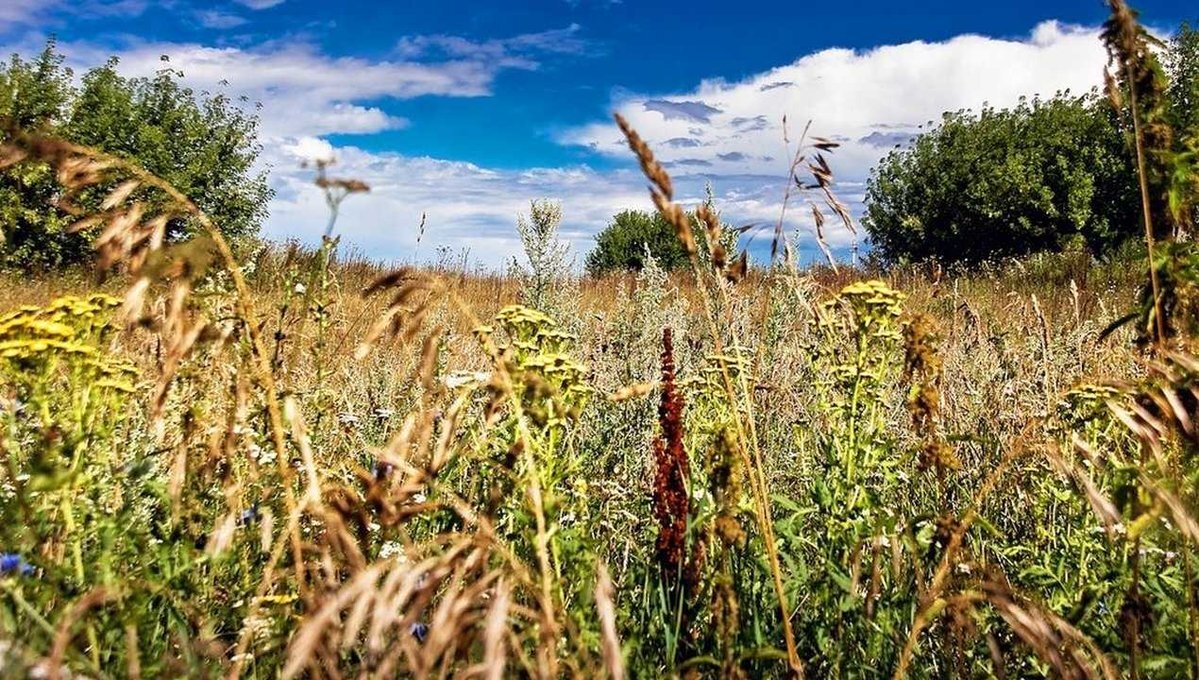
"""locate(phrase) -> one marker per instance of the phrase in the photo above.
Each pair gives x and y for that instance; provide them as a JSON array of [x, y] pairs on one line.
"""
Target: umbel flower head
[[876, 307], [68, 330], [553, 383]]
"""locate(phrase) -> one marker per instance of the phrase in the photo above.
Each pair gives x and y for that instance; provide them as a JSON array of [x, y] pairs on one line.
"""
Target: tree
[[205, 145], [34, 95], [622, 245], [1041, 176], [1182, 97], [1182, 66]]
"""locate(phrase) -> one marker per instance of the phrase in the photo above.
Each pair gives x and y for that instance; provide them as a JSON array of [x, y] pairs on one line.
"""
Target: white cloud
[[515, 52], [217, 19], [868, 100], [302, 91], [468, 207], [305, 92], [19, 12], [260, 4], [309, 150]]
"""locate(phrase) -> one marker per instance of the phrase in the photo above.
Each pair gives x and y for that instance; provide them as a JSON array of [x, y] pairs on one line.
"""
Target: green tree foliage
[[1044, 175], [1182, 101], [1182, 67], [204, 144], [622, 245]]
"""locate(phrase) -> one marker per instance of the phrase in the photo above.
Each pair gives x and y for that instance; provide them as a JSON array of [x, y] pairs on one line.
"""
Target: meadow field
[[233, 458], [483, 487]]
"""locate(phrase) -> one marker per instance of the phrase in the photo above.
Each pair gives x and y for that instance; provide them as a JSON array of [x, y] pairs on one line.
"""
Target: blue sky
[[467, 110]]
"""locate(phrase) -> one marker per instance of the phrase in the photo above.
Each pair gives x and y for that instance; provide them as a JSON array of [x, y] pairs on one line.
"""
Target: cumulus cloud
[[302, 91], [870, 100], [697, 112], [469, 207], [306, 92], [867, 96], [309, 150]]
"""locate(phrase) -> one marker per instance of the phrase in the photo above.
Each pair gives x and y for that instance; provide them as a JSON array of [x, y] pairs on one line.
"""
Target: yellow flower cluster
[[66, 331], [876, 307], [539, 352]]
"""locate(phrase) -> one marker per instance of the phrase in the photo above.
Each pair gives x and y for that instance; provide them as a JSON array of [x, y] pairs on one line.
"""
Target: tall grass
[[293, 463]]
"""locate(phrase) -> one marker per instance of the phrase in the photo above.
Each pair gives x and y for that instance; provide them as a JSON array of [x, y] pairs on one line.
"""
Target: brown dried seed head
[[739, 269], [674, 214], [119, 194], [388, 280], [713, 228], [649, 165], [632, 392]]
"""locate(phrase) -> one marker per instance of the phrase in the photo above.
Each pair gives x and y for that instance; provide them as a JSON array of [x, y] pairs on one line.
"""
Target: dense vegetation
[[623, 244], [296, 465], [1044, 176], [1047, 175], [205, 146]]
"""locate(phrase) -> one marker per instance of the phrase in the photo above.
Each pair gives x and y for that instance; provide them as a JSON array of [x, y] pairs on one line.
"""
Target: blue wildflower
[[12, 563], [248, 515], [419, 630]]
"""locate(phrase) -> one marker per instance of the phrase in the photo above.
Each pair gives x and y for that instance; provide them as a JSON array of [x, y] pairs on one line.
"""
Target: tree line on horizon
[[1049, 174]]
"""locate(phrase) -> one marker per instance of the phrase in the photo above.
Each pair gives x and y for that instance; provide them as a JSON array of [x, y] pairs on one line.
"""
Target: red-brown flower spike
[[671, 504]]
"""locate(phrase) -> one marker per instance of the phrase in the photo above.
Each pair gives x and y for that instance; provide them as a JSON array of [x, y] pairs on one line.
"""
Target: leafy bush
[[622, 245], [203, 145], [1182, 66], [1000, 183], [632, 235]]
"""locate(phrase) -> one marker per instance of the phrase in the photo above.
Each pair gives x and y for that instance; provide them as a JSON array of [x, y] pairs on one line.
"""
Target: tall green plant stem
[[547, 654], [749, 445]]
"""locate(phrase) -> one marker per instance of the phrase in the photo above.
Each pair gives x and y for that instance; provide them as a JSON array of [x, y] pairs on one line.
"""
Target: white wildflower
[[463, 378]]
